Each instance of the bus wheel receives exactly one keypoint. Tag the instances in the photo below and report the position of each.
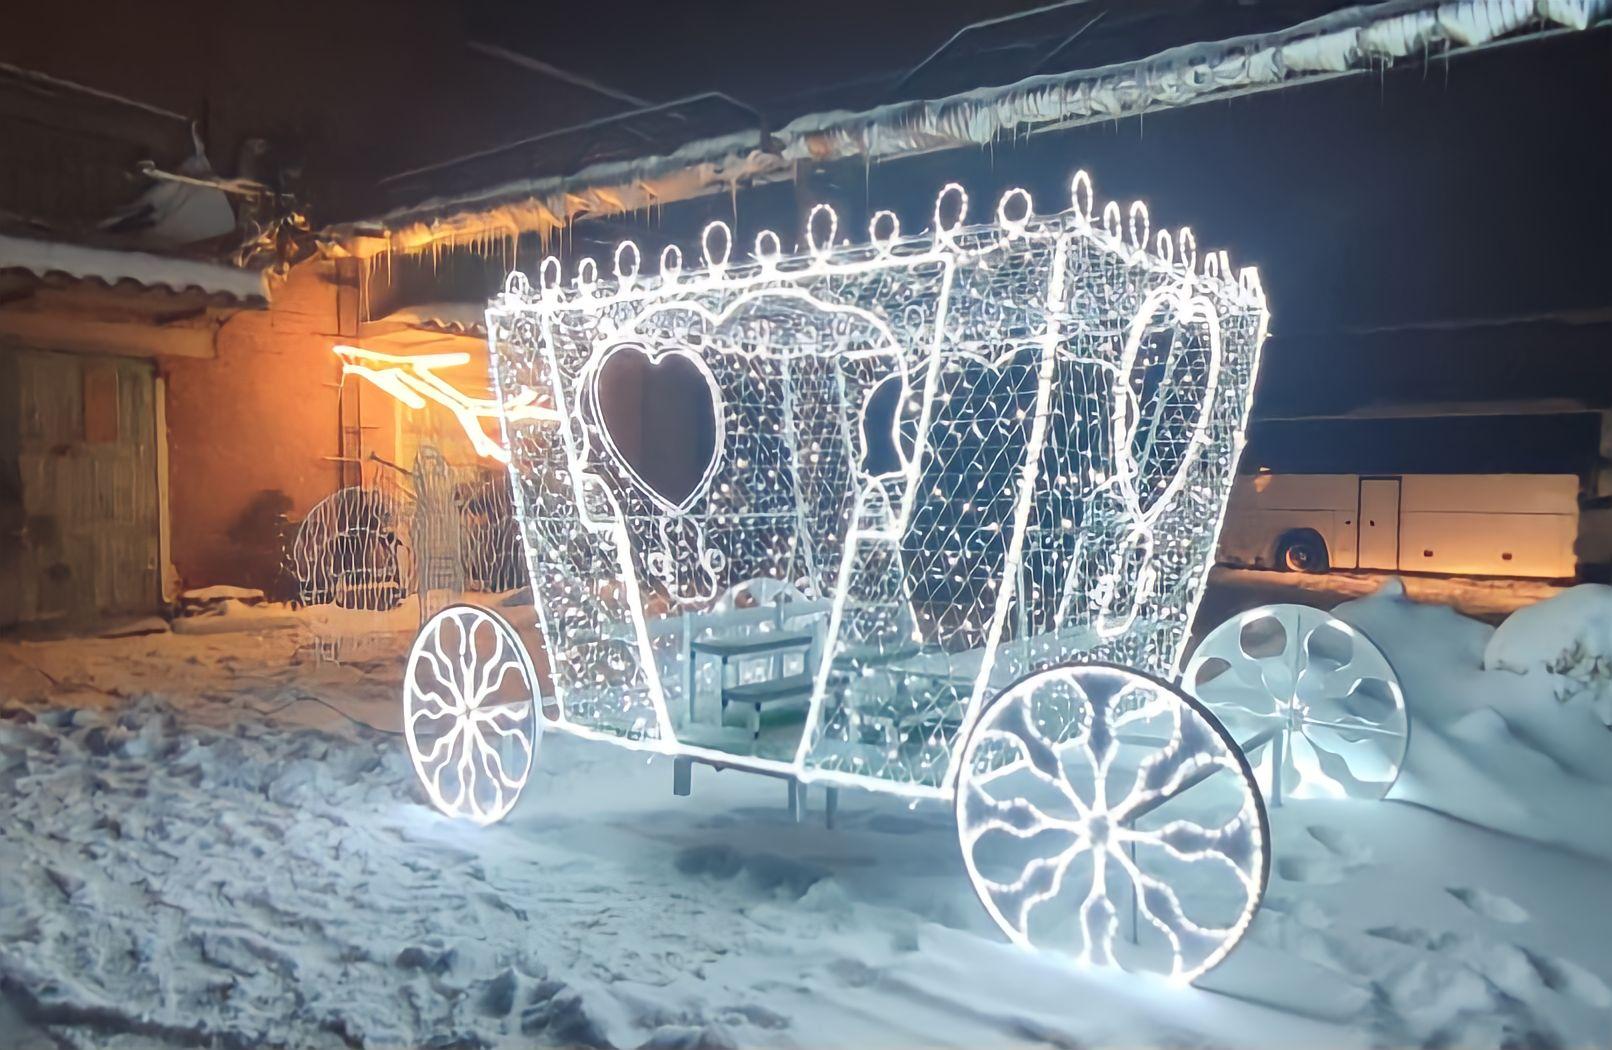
(1302, 550)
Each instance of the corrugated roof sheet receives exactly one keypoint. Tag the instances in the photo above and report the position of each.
(112, 266)
(1353, 40)
(459, 318)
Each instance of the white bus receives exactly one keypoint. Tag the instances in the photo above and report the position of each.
(1456, 524)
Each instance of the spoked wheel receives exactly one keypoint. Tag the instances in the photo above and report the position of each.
(1311, 700)
(1104, 814)
(470, 701)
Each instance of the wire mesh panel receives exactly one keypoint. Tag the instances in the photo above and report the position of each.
(968, 454)
(489, 537)
(621, 567)
(436, 532)
(352, 550)
(353, 560)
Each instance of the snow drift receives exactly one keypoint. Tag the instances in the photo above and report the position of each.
(1569, 637)
(188, 862)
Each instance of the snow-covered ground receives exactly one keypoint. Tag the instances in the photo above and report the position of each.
(205, 843)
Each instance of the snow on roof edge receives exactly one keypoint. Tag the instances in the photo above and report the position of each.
(1351, 40)
(461, 318)
(112, 265)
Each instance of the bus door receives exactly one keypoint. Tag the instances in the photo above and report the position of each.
(1379, 523)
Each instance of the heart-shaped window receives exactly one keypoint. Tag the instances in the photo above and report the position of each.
(1171, 364)
(660, 415)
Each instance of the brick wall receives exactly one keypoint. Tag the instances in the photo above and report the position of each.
(254, 434)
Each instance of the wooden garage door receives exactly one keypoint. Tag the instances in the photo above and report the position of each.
(78, 486)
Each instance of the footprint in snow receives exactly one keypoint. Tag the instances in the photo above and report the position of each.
(1570, 979)
(1312, 870)
(1489, 905)
(1510, 967)
(1345, 854)
(853, 972)
(1410, 936)
(1341, 844)
(890, 824)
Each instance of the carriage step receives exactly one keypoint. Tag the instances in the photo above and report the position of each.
(769, 691)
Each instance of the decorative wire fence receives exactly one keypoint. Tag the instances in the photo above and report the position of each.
(353, 550)
(374, 560)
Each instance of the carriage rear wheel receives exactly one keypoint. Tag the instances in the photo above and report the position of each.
(1104, 814)
(470, 699)
(1315, 704)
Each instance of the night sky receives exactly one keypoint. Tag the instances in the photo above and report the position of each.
(1432, 241)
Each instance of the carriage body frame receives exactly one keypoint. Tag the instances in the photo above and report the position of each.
(549, 345)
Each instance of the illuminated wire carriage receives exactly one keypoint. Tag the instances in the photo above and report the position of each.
(1071, 401)
(942, 535)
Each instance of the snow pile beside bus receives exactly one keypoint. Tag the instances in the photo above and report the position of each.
(1568, 637)
(1490, 746)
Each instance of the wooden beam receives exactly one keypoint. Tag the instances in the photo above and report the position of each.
(42, 331)
(174, 317)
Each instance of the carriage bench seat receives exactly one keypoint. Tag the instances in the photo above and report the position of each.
(757, 696)
(730, 650)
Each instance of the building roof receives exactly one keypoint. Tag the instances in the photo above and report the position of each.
(111, 266)
(458, 318)
(1350, 41)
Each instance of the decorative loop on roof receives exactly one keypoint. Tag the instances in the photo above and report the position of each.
(1125, 230)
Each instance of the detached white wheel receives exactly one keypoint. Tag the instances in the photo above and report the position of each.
(470, 701)
(1311, 700)
(1104, 814)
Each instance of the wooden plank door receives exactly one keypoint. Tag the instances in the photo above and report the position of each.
(78, 486)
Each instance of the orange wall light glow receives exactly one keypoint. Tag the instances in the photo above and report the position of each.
(412, 379)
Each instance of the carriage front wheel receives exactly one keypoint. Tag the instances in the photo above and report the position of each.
(1104, 814)
(470, 700)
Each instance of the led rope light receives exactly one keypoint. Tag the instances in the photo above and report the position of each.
(1109, 721)
(1069, 396)
(412, 379)
(469, 713)
(1115, 592)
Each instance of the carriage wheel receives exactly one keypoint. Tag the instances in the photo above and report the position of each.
(470, 712)
(1310, 697)
(1104, 814)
